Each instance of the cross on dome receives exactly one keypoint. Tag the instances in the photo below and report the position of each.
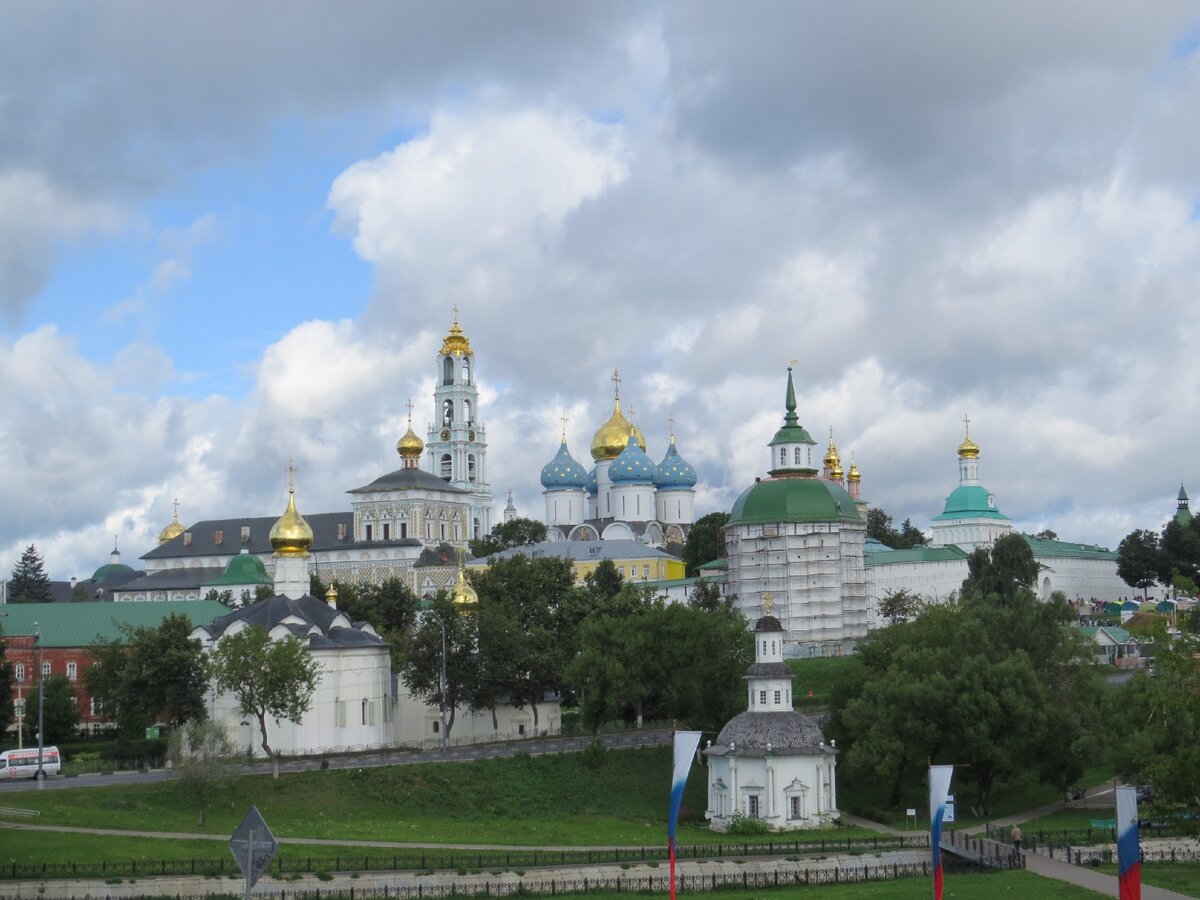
(616, 380)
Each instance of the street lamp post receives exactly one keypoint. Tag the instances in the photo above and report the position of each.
(443, 684)
(41, 775)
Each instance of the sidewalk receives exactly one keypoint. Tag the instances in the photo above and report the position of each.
(1090, 878)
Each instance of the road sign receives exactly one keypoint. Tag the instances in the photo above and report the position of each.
(253, 847)
(152, 733)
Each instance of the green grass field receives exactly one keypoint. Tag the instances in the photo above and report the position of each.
(817, 676)
(1183, 878)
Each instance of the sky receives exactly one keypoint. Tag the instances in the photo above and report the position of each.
(234, 234)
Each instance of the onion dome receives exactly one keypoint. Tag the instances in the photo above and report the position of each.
(456, 343)
(854, 474)
(331, 596)
(463, 594)
(243, 569)
(291, 535)
(610, 440)
(174, 529)
(410, 446)
(592, 487)
(563, 473)
(674, 472)
(113, 570)
(633, 466)
(833, 462)
(968, 449)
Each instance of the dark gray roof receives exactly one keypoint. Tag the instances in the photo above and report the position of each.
(768, 623)
(204, 536)
(313, 613)
(170, 579)
(769, 670)
(408, 479)
(442, 555)
(788, 733)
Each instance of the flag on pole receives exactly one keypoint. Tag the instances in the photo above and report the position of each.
(1129, 851)
(686, 743)
(939, 791)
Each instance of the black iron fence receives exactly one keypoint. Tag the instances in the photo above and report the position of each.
(1093, 856)
(456, 860)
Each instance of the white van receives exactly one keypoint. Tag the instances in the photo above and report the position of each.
(24, 763)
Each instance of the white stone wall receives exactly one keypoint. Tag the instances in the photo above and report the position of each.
(934, 581)
(775, 781)
(565, 508)
(675, 507)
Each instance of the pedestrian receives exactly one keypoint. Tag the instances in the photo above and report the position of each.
(1016, 838)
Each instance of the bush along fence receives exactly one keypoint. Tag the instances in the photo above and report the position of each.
(288, 864)
(1044, 841)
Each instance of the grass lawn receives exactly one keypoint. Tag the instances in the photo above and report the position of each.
(818, 676)
(1183, 878)
(985, 886)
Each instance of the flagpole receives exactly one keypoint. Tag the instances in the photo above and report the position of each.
(686, 743)
(939, 791)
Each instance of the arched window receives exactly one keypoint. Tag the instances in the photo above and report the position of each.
(470, 467)
(783, 456)
(467, 410)
(20, 672)
(447, 412)
(447, 466)
(466, 371)
(478, 530)
(448, 370)
(797, 456)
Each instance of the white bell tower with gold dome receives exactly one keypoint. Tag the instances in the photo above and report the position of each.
(457, 444)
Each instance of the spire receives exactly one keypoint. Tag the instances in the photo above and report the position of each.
(790, 404)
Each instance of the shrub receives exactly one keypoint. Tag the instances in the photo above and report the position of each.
(593, 755)
(746, 825)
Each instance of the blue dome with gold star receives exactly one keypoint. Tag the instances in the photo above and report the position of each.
(633, 466)
(674, 473)
(592, 486)
(563, 473)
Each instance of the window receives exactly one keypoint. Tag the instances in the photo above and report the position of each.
(521, 729)
(762, 697)
(783, 455)
(778, 697)
(436, 726)
(45, 669)
(764, 648)
(797, 456)
(478, 530)
(466, 371)
(403, 530)
(795, 810)
(387, 531)
(20, 672)
(447, 371)
(369, 528)
(368, 713)
(772, 646)
(471, 467)
(752, 806)
(72, 670)
(447, 466)
(95, 708)
(645, 571)
(467, 410)
(447, 412)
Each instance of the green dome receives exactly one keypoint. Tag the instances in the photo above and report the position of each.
(970, 501)
(108, 570)
(794, 500)
(245, 568)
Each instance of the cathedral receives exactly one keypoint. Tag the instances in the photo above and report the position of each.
(405, 524)
(625, 496)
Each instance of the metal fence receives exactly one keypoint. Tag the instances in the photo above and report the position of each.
(984, 851)
(1093, 856)
(422, 861)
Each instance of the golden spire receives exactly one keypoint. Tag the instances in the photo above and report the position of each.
(291, 535)
(410, 447)
(456, 343)
(968, 449)
(768, 602)
(331, 596)
(174, 529)
(833, 462)
(854, 474)
(463, 594)
(613, 436)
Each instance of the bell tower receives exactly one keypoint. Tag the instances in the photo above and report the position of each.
(457, 444)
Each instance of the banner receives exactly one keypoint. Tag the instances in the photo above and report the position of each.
(1129, 850)
(686, 743)
(939, 790)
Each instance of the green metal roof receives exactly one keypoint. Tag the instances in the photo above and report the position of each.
(970, 501)
(108, 570)
(1066, 550)
(791, 499)
(245, 568)
(888, 556)
(80, 624)
(713, 565)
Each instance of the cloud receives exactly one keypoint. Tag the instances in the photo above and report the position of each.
(177, 247)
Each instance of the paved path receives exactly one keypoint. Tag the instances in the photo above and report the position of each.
(1090, 878)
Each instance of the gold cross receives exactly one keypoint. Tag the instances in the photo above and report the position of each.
(967, 425)
(671, 424)
(563, 419)
(616, 379)
(409, 404)
(768, 602)
(177, 507)
(291, 475)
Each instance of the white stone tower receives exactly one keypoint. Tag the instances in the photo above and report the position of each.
(457, 444)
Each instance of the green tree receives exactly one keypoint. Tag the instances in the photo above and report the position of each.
(150, 674)
(879, 527)
(706, 595)
(29, 582)
(225, 598)
(1004, 570)
(202, 757)
(267, 677)
(704, 542)
(1046, 535)
(60, 715)
(911, 536)
(1139, 559)
(420, 652)
(899, 606)
(1179, 547)
(6, 700)
(519, 532)
(389, 606)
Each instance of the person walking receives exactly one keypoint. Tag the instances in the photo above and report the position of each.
(1016, 837)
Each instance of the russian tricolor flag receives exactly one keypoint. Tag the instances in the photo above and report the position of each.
(939, 792)
(1129, 851)
(686, 743)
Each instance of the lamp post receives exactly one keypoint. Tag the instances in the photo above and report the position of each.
(427, 607)
(37, 631)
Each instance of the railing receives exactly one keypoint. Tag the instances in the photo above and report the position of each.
(1091, 856)
(453, 860)
(990, 854)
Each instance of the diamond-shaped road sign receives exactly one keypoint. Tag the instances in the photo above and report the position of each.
(253, 846)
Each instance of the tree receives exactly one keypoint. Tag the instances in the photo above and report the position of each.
(202, 756)
(518, 532)
(29, 582)
(267, 677)
(60, 715)
(993, 682)
(1139, 559)
(706, 595)
(1046, 535)
(420, 653)
(6, 701)
(150, 674)
(879, 527)
(1179, 547)
(704, 542)
(1004, 570)
(225, 598)
(899, 606)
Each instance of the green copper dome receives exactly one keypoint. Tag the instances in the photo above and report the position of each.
(970, 501)
(794, 500)
(108, 570)
(245, 568)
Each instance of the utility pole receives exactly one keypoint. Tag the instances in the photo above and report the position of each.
(41, 775)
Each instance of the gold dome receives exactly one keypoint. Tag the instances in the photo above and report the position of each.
(832, 461)
(456, 343)
(174, 529)
(410, 446)
(968, 449)
(463, 594)
(854, 474)
(291, 535)
(613, 435)
(331, 596)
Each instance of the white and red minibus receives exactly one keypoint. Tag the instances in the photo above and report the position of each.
(24, 763)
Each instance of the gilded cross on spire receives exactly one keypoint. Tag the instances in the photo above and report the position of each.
(967, 425)
(291, 470)
(632, 414)
(176, 505)
(616, 380)
(768, 602)
(409, 404)
(671, 425)
(455, 308)
(563, 419)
